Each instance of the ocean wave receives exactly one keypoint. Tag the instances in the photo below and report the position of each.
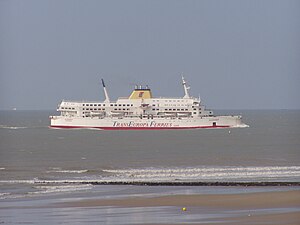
(192, 175)
(11, 127)
(18, 181)
(58, 170)
(4, 194)
(204, 169)
(60, 188)
(149, 182)
(42, 190)
(206, 173)
(8, 195)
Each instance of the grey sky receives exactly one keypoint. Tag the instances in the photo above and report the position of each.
(236, 54)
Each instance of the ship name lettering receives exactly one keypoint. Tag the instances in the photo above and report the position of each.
(139, 124)
(155, 124)
(117, 124)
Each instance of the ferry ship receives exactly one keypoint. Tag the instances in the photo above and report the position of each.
(141, 111)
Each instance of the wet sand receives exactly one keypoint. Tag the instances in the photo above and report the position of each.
(281, 207)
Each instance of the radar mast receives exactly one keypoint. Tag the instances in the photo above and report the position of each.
(105, 92)
(186, 88)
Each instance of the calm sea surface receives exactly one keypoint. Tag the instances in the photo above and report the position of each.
(37, 161)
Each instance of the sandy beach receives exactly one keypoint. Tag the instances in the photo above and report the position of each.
(251, 208)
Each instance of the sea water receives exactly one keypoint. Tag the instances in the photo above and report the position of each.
(36, 160)
(42, 167)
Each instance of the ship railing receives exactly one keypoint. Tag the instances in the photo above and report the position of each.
(150, 116)
(81, 101)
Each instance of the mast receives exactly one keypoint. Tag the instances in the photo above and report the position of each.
(105, 92)
(186, 88)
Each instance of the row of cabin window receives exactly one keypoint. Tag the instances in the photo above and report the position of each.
(173, 109)
(92, 109)
(121, 105)
(176, 109)
(175, 104)
(93, 105)
(110, 105)
(67, 108)
(88, 109)
(163, 100)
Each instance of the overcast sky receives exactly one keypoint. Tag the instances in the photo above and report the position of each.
(235, 54)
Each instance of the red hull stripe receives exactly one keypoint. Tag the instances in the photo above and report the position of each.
(137, 128)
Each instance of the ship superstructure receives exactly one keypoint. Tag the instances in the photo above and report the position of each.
(141, 111)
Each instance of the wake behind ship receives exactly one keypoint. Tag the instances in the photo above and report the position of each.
(141, 111)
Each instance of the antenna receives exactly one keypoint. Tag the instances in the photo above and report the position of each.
(103, 84)
(186, 88)
(105, 92)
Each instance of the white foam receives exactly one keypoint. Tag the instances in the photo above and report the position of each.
(205, 173)
(67, 171)
(203, 169)
(11, 127)
(171, 174)
(5, 195)
(17, 181)
(41, 190)
(61, 188)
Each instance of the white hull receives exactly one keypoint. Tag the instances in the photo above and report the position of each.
(147, 124)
